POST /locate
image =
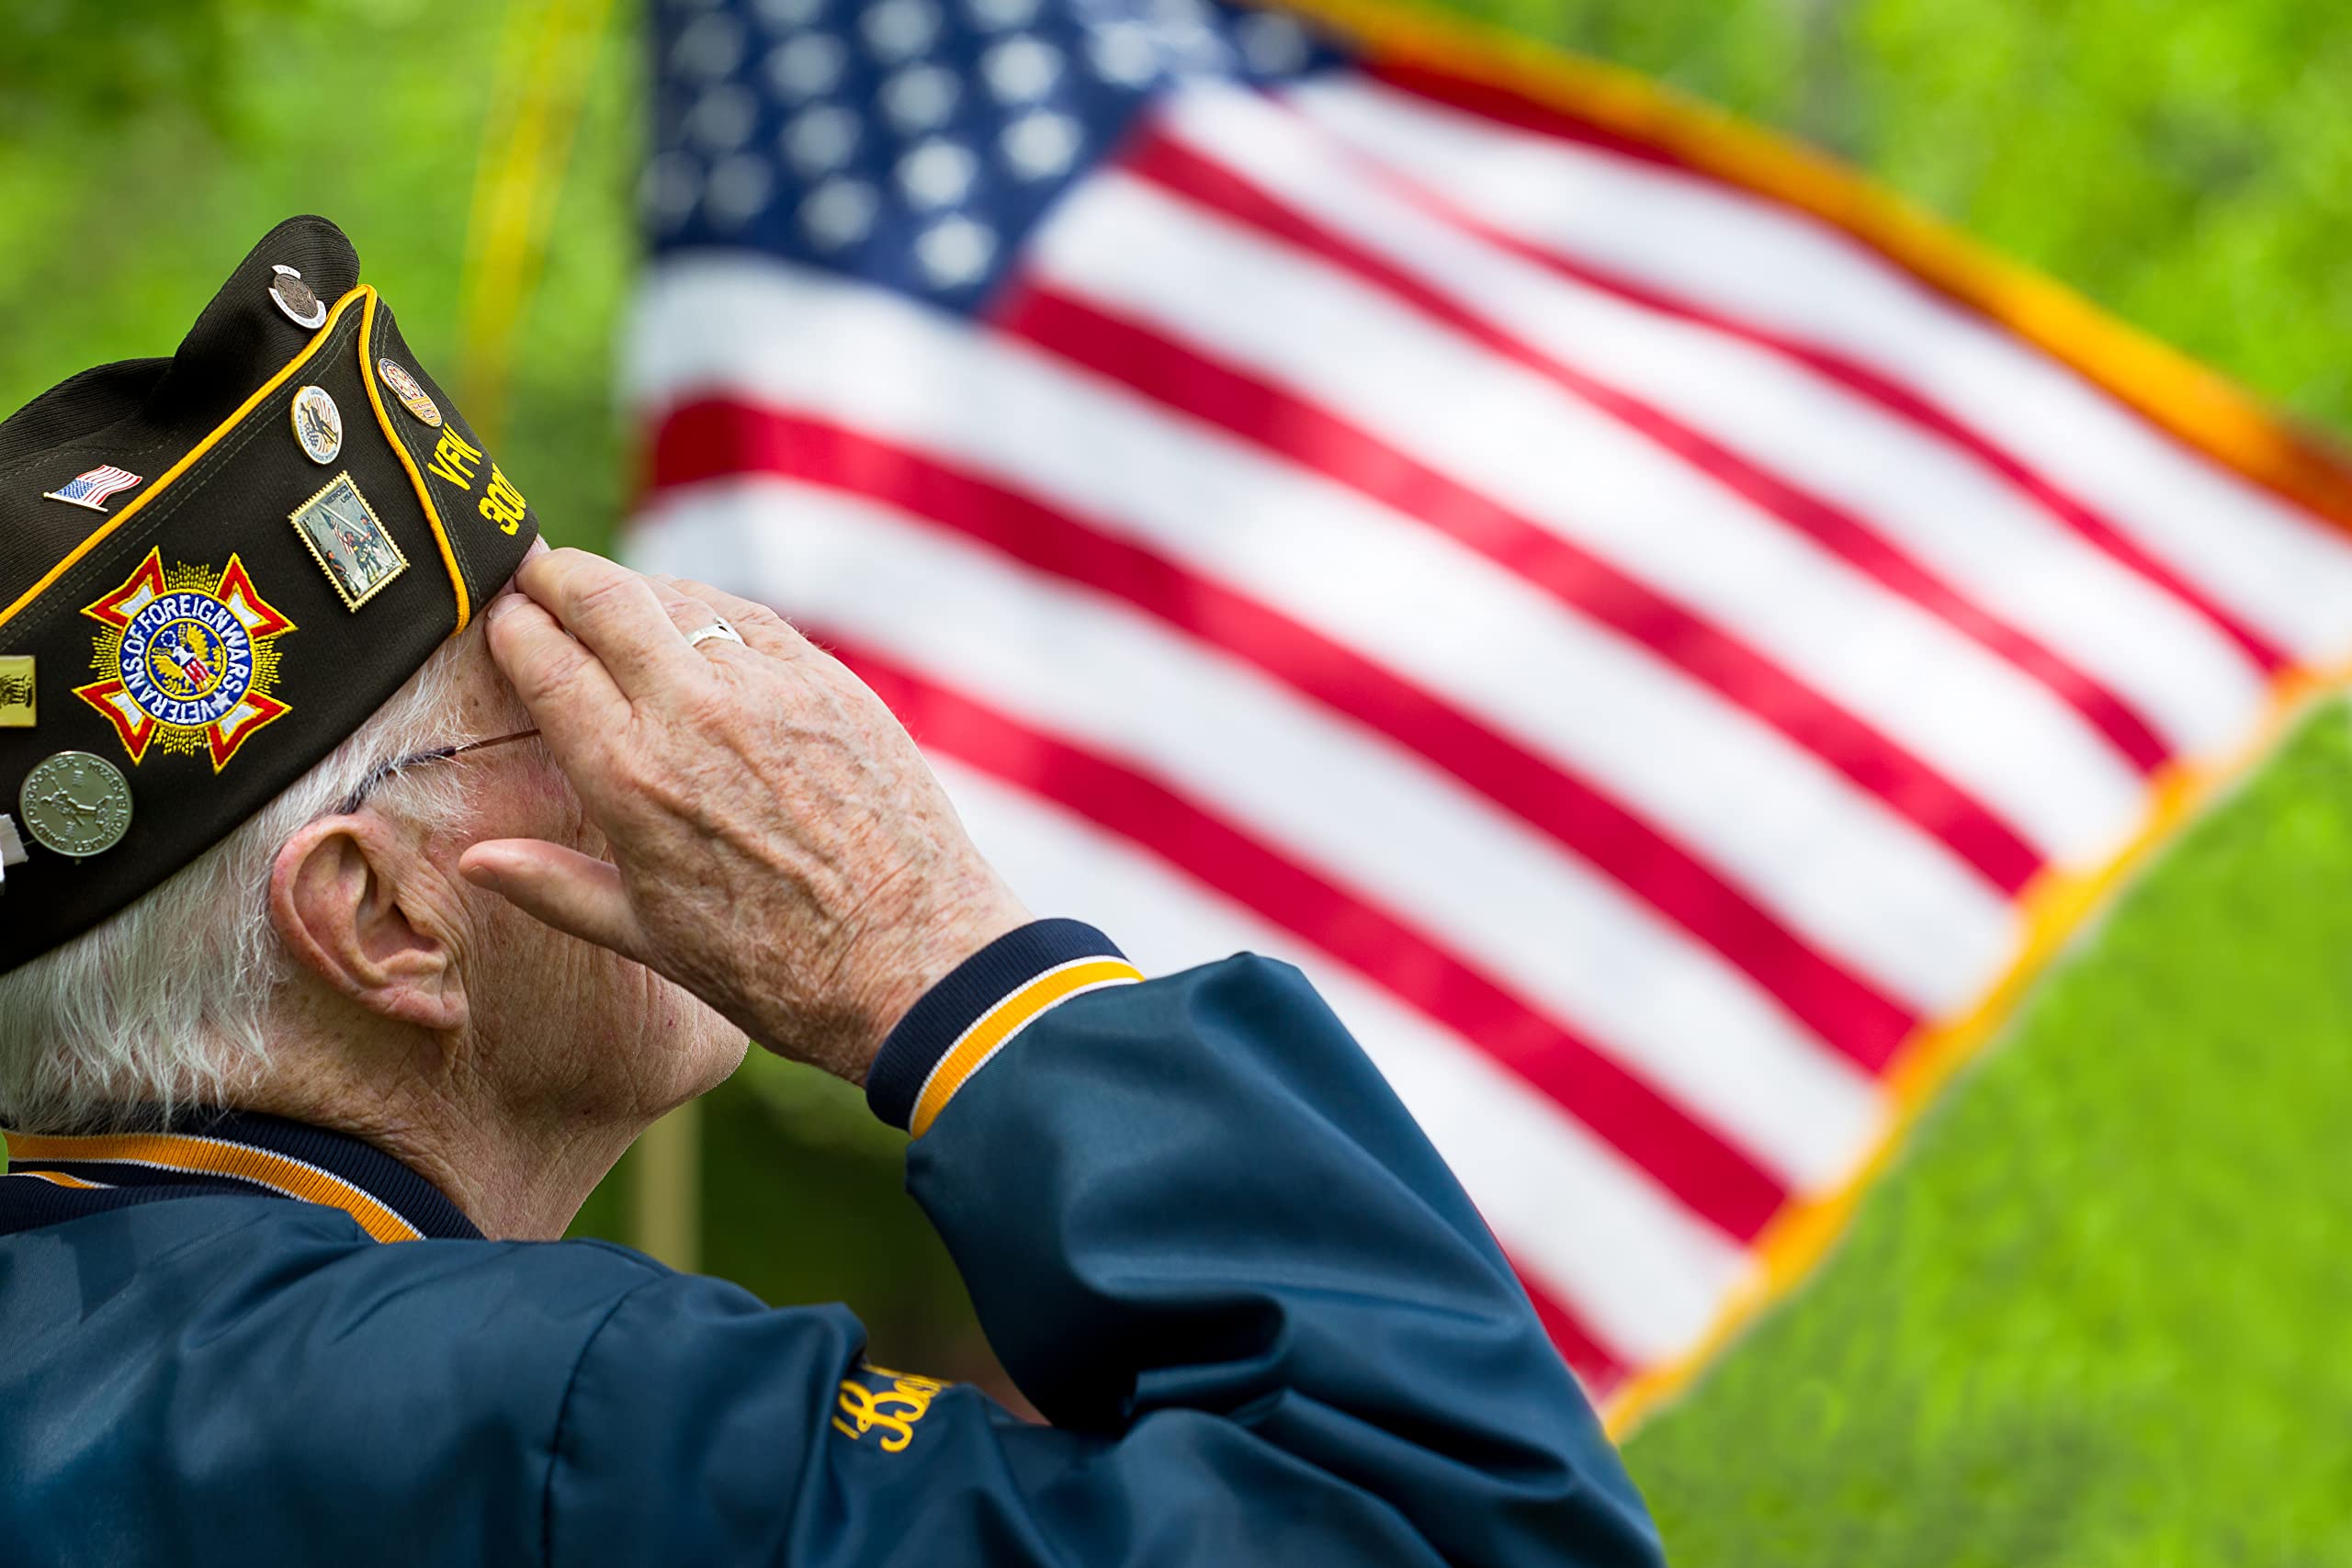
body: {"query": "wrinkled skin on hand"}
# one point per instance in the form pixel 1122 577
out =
pixel 778 846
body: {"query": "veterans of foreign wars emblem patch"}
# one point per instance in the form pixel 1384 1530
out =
pixel 318 424
pixel 92 489
pixel 187 658
pixel 348 541
pixel 409 391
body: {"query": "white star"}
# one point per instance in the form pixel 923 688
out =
pixel 1124 55
pixel 1270 44
pixel 820 139
pixel 920 98
pixel 1002 13
pixel 937 174
pixel 807 66
pixel 896 28
pixel 838 212
pixel 1188 40
pixel 954 251
pixel 709 47
pixel 738 188
pixel 723 117
pixel 1042 144
pixel 783 16
pixel 1195 51
pixel 672 185
pixel 1022 69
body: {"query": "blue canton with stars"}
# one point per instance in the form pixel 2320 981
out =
pixel 914 143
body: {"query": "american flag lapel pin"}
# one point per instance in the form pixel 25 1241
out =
pixel 92 489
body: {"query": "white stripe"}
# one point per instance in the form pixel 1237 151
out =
pixel 1370 816
pixel 1830 861
pixel 1588 1229
pixel 998 1006
pixel 59 1179
pixel 1510 433
pixel 1745 256
pixel 1931 498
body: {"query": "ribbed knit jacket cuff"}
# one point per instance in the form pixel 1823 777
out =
pixel 962 1022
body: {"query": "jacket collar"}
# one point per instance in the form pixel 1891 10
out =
pixel 199 1152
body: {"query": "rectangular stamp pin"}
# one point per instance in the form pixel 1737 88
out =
pixel 17 711
pixel 348 541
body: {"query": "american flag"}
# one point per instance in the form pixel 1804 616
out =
pixel 92 489
pixel 1664 637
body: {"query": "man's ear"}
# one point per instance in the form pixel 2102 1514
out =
pixel 337 909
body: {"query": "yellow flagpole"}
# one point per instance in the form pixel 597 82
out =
pixel 547 58
pixel 666 1216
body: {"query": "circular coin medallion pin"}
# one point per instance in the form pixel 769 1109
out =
pixel 410 393
pixel 297 298
pixel 318 424
pixel 76 804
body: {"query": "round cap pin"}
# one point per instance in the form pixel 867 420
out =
pixel 297 298
pixel 410 393
pixel 318 424
pixel 76 803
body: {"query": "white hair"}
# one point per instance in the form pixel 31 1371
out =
pixel 169 1000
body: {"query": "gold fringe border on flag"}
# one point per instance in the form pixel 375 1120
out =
pixel 2202 407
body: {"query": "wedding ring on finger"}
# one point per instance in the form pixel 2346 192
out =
pixel 721 628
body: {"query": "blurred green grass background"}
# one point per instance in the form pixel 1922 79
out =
pixel 2093 1315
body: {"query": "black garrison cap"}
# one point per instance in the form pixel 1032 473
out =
pixel 213 569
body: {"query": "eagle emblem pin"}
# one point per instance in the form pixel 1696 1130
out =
pixel 318 424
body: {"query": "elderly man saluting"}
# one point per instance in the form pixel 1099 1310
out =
pixel 401 919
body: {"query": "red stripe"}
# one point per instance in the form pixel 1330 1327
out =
pixel 1708 1176
pixel 1502 105
pixel 1263 413
pixel 1186 174
pixel 712 439
pixel 1595 1366
pixel 1891 396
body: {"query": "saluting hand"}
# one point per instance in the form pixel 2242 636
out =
pixel 778 846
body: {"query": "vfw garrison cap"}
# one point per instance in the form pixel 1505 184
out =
pixel 214 568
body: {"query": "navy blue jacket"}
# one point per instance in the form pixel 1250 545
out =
pixel 1201 1232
